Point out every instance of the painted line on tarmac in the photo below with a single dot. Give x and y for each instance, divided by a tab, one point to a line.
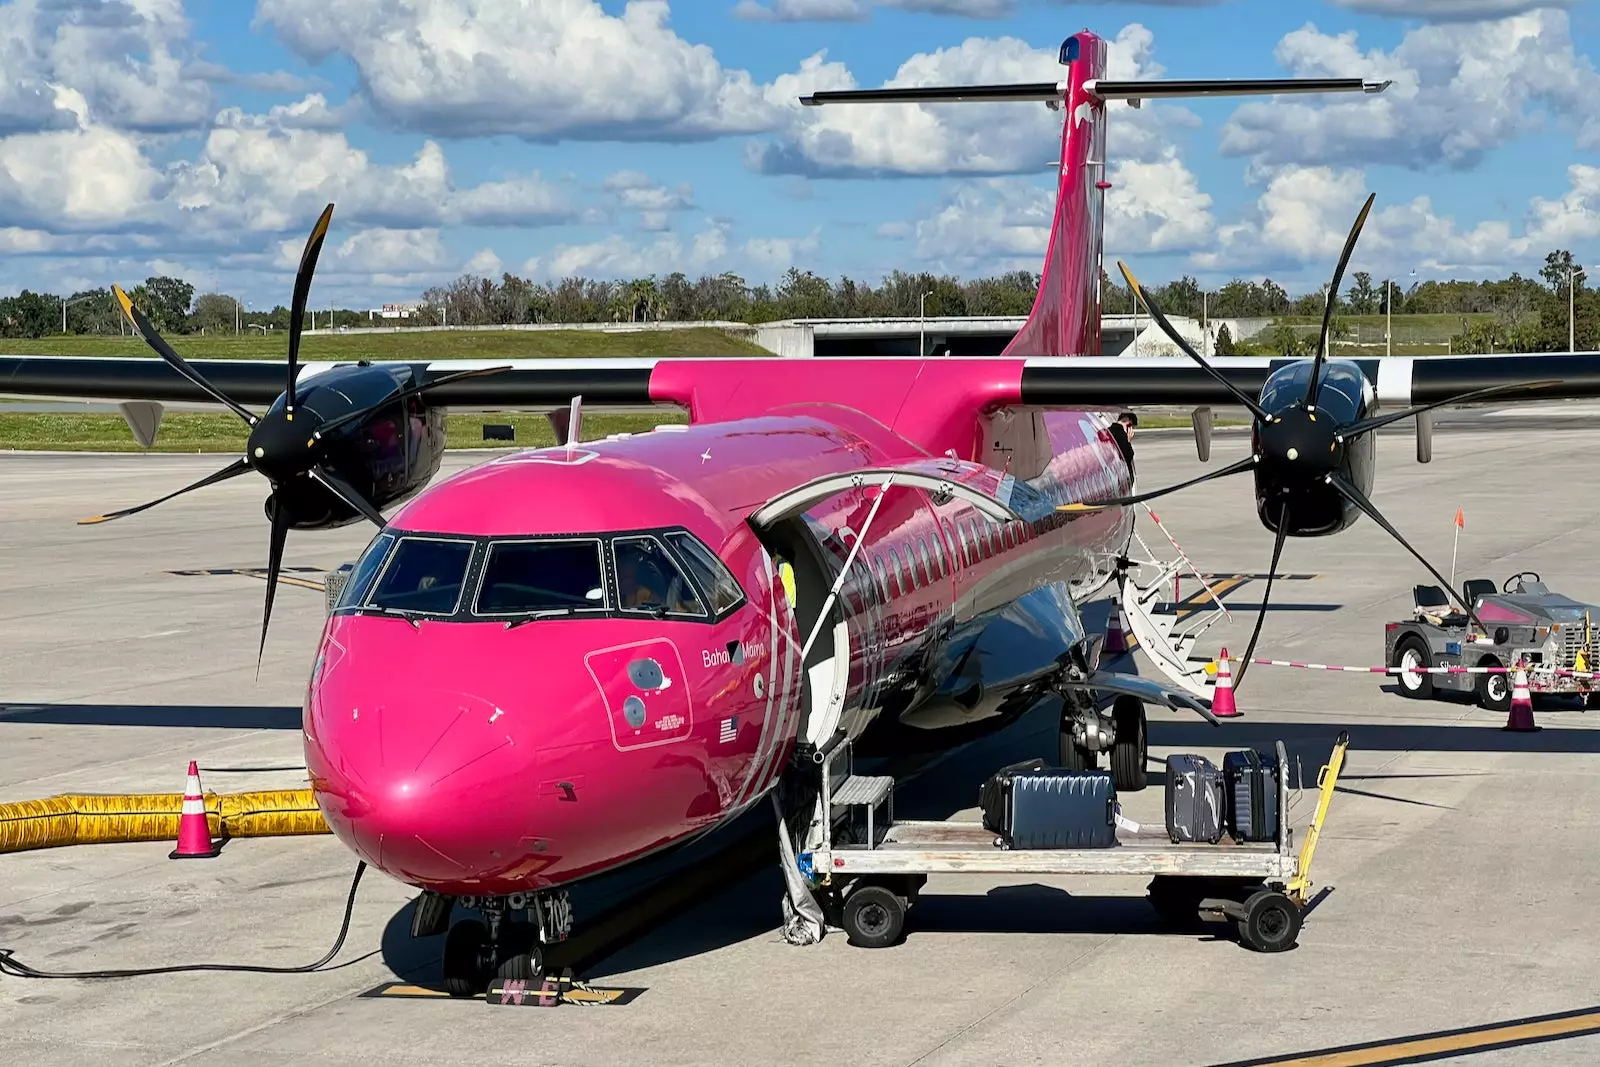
1423	1048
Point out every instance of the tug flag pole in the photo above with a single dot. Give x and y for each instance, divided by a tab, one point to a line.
1460	523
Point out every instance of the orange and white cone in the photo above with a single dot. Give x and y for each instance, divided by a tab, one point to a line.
1521	717
194	834
1222	705
1116	638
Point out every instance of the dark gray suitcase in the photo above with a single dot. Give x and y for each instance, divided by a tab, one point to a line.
1060	809
1195	803
1252	779
992	795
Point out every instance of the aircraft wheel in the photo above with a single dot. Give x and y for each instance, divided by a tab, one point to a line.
873	916
1128	753
1412	651
1271	922
465	964
528	966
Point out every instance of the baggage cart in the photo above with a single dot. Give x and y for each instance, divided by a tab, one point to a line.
868	882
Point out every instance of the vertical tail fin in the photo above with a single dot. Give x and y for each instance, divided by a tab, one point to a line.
1065	320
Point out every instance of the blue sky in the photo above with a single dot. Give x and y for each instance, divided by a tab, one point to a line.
551	137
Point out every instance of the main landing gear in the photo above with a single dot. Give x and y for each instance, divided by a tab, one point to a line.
509	942
1121	731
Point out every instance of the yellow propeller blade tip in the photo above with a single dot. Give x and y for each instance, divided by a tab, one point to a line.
91	520
1080	507
122	298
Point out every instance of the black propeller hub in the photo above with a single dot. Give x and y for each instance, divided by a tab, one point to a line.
1298	447
283	446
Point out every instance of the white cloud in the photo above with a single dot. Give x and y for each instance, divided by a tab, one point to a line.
972	139
90	177
781	253
1460	90
615	255
125	57
803	11
1450	10
484	262
565	68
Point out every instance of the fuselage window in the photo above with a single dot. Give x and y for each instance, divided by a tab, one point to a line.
882	579
708	571
648	579
424	575
523	577
894	574
927	561
908	572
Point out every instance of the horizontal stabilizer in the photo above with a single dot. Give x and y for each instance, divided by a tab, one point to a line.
1153	90
1049	92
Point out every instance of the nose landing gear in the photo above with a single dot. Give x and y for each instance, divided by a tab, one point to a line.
510	942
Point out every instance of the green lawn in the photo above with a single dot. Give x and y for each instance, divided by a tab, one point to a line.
406	344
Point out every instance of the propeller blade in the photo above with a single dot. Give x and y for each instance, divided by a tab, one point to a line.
1333	300
347	492
1272	572
404	394
1178	339
280	529
1365	425
175	361
302	292
1356	497
232	470
1125	501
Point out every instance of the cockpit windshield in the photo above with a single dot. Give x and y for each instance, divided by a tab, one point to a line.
544	575
1339	393
662	573
425	574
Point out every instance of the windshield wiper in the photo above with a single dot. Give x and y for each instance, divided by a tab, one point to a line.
396	613
570	609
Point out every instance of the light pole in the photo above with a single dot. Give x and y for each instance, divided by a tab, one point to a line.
65	303
1572	276
1205	321
237	314
922	324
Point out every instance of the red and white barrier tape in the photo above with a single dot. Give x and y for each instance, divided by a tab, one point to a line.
1563	672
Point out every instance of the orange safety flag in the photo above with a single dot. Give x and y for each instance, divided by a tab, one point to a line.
1461	520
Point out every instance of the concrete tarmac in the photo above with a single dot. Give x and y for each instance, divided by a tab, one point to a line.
1457	858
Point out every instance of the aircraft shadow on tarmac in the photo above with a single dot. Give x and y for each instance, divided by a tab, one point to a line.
169	715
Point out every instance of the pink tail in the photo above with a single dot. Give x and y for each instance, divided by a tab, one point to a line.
1065	320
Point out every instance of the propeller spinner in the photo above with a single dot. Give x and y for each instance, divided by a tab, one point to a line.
1302	453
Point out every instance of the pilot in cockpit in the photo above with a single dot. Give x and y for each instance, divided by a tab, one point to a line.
643	584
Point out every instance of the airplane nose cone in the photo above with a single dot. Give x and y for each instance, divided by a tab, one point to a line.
427	788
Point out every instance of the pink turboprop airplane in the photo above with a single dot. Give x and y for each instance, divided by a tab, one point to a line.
563	660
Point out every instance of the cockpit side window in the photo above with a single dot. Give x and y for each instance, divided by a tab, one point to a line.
648	579
366	568
708	571
520	577
424	575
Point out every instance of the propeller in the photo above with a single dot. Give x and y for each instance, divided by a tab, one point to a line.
284	445
1298	451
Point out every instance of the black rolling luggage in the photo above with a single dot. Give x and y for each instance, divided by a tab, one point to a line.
993	793
1036	808
1195	803
1252	779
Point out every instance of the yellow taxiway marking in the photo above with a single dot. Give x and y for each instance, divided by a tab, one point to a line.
1476	1039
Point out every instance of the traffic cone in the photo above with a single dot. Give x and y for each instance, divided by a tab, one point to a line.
1521	717
1222	705
1116	638
194	834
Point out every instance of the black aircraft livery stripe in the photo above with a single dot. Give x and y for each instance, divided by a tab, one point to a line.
1063	384
539	387
1439	379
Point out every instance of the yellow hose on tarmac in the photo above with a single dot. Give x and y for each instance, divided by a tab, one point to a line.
97	819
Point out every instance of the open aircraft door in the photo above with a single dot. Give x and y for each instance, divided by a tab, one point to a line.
819	576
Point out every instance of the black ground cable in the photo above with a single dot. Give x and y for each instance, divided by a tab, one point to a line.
9	965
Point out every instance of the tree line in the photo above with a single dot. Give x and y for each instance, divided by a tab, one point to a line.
1525	314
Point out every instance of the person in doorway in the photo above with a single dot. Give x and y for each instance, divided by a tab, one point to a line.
1122	433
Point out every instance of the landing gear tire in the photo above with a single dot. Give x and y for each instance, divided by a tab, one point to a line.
466	972
528	966
1128	751
1413	652
1074	757
874	917
1271	922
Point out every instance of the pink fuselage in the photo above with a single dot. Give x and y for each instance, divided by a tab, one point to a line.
472	758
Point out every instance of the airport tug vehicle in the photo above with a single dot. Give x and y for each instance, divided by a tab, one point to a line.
1524	624
869	873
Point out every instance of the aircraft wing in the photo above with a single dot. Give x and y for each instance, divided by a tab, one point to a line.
1046	381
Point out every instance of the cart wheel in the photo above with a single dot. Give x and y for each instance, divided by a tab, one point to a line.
1413	652
1494	690
1271	922
1128	770
873	917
